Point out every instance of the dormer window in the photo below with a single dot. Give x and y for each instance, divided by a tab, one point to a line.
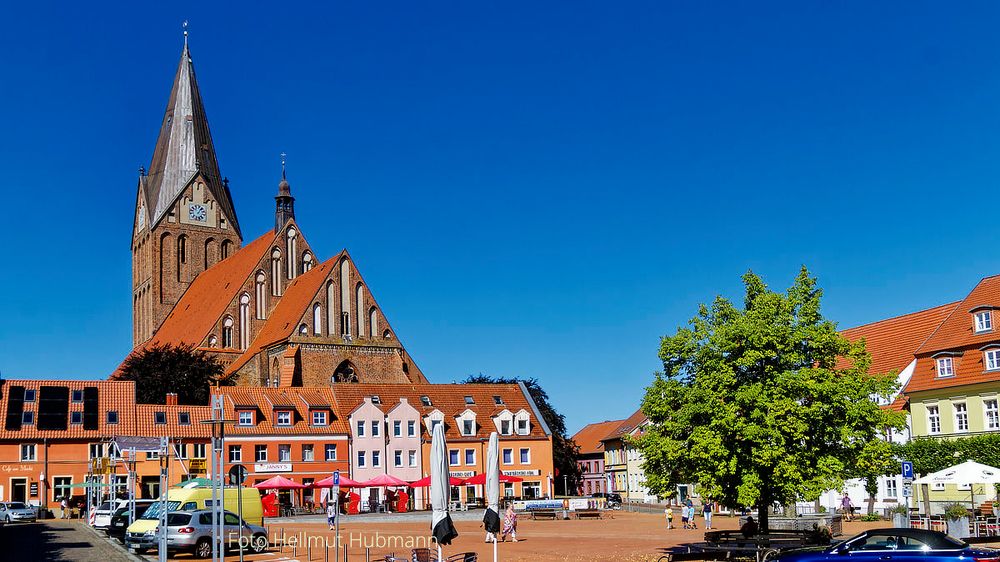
984	321
319	417
469	400
160	418
284	418
184	418
468	427
504	427
376	399
425	400
991	357
29	395
522	426
498	400
945	367
245	418
77	396
76	418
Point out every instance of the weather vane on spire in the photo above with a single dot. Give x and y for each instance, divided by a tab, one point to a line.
283	156
185	26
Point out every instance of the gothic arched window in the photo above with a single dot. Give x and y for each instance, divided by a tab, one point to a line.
291	241
244	321
276	272
261	296
227	332
317	319
345	372
307	262
373	323
331	301
360	295
227	248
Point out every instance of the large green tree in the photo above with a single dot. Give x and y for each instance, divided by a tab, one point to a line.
564	450
182	369
763	403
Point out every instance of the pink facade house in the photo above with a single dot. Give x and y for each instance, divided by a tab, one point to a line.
368	449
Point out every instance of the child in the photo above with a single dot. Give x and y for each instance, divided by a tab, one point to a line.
684	517
331	513
691	516
669	512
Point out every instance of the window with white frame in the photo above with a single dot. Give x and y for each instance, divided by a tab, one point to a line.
508	456
284	453
991	413
361	428
319	417
362	459
27	451
61	487
260	453
376	458
96	450
937	486
235	453
991	357
961	416
245	417
180	451
945	367
397	428
453	457
504	427
198	451
375	428
284	417
397	458
984	321
470	457
468	427
525	456
933	420
522	426
330	451
412	457
307	452
411	428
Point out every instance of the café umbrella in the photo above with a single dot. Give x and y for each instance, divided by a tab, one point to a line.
482	479
491	519
426	481
383	481
279	483
442	527
345	482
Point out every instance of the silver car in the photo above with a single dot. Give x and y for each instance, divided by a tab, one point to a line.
191	531
16	511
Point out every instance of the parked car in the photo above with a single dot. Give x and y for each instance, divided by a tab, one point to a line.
191	531
898	545
100	517
120	520
16	511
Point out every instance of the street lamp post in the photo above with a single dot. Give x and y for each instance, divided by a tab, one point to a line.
218	488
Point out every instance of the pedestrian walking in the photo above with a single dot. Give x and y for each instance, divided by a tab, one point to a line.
691	515
65	508
706	509
509	524
684	517
331	513
847	506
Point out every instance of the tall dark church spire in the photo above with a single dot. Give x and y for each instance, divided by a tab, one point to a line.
284	203
184	148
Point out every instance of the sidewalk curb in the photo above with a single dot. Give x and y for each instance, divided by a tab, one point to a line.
122	550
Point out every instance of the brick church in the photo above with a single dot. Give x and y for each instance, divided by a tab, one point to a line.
269	309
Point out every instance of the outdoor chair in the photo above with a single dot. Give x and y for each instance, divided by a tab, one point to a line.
463	557
425	555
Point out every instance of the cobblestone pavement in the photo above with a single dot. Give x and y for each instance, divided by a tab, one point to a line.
55	539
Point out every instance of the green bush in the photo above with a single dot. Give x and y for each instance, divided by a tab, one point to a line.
956	511
871	517
901	509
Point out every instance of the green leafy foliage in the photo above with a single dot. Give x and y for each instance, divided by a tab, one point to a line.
160	369
564	450
764	403
956	511
931	455
871	517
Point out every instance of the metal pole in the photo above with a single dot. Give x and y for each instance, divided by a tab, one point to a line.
239	506
161	551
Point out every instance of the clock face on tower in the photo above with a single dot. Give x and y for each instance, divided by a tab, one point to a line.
197	213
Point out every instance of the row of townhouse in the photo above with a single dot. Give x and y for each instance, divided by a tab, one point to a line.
610	464
61	433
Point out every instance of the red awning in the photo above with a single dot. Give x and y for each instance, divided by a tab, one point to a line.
426	481
279	483
481	478
345	482
382	481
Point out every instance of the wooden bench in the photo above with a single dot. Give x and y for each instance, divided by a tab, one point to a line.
588	514
543	514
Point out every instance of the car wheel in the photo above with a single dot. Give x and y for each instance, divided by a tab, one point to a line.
258	544
7	520
203	549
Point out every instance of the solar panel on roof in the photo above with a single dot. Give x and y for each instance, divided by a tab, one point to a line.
90	420
15	406
53	407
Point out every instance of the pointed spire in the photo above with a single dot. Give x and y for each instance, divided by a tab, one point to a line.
284	203
184	147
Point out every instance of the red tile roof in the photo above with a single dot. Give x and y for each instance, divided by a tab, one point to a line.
893	342
589	438
268	400
957	329
210	294
627	426
146	419
111	396
450	400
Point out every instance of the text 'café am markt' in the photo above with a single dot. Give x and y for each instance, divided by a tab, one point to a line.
320	381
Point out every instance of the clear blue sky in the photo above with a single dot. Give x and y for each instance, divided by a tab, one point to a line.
531	189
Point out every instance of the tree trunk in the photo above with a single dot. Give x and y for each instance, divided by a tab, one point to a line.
871	505
763	512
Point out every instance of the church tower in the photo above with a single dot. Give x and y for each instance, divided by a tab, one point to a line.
284	203
185	221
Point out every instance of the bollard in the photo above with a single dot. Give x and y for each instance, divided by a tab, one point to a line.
309	550
326	554
293	551
367	555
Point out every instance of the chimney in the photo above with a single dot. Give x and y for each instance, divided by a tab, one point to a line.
171	399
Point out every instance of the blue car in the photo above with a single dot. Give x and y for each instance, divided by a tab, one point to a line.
896	545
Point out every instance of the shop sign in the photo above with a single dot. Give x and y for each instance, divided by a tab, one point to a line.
272	467
534	472
33	489
16	468
463	473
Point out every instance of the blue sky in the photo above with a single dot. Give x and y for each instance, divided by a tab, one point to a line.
530	189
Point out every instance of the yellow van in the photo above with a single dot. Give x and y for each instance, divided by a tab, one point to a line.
191	499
